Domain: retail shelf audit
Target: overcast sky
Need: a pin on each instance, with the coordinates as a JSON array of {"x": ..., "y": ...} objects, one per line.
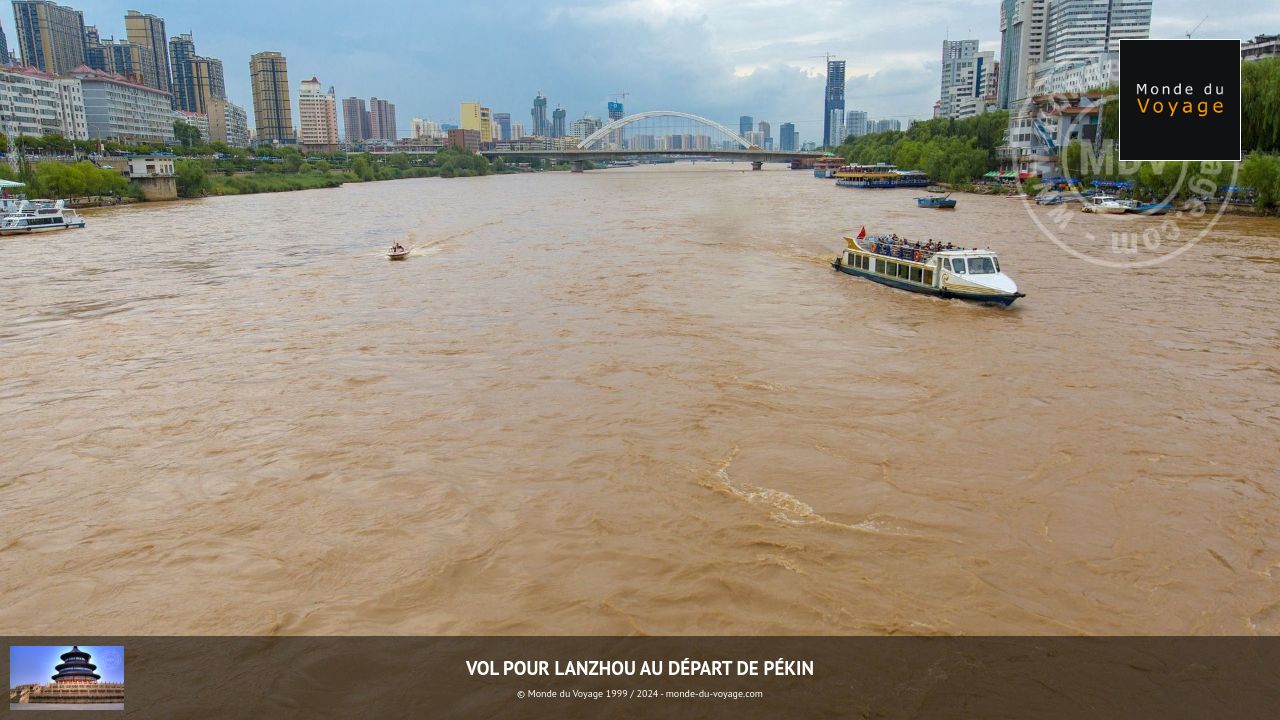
[{"x": 717, "y": 58}]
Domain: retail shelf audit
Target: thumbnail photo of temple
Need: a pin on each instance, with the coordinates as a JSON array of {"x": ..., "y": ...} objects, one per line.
[{"x": 76, "y": 683}]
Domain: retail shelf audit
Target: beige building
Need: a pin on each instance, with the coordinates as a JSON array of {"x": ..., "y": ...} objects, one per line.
[
  {"x": 50, "y": 36},
  {"x": 469, "y": 116},
  {"x": 228, "y": 123},
  {"x": 272, "y": 113},
  {"x": 317, "y": 118},
  {"x": 148, "y": 31}
]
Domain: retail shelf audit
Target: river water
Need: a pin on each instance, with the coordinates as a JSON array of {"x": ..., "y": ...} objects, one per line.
[{"x": 627, "y": 401}]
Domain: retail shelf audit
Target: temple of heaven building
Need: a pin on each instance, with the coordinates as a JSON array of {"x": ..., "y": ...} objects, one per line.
[
  {"x": 76, "y": 667},
  {"x": 75, "y": 683}
]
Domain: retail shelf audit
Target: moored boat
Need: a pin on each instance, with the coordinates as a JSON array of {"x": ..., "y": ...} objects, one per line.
[
  {"x": 945, "y": 272},
  {"x": 1159, "y": 208},
  {"x": 826, "y": 167},
  {"x": 943, "y": 203},
  {"x": 1107, "y": 205},
  {"x": 40, "y": 216}
]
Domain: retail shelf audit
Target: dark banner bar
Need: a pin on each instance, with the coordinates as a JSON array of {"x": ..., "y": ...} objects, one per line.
[{"x": 693, "y": 677}]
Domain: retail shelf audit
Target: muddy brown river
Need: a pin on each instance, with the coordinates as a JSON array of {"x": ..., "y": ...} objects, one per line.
[{"x": 633, "y": 401}]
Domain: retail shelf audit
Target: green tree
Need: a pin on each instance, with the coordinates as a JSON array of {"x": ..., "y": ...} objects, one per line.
[
  {"x": 192, "y": 179},
  {"x": 362, "y": 169},
  {"x": 1260, "y": 98},
  {"x": 187, "y": 135},
  {"x": 1262, "y": 173}
]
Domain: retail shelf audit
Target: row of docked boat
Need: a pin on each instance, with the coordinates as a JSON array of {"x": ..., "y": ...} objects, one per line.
[
  {"x": 1111, "y": 205},
  {"x": 21, "y": 216}
]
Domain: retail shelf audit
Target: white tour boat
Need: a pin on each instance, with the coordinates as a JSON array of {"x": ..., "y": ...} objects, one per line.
[
  {"x": 1108, "y": 205},
  {"x": 949, "y": 273},
  {"x": 40, "y": 216}
]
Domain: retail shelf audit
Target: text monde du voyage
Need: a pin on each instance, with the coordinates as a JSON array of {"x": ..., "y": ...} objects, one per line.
[
  {"x": 675, "y": 668},
  {"x": 1179, "y": 100}
]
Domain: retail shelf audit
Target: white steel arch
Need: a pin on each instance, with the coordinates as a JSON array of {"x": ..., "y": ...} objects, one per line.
[{"x": 623, "y": 122}]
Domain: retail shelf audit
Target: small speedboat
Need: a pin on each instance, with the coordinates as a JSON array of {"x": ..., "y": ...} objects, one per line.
[
  {"x": 944, "y": 203},
  {"x": 398, "y": 252},
  {"x": 1050, "y": 200}
]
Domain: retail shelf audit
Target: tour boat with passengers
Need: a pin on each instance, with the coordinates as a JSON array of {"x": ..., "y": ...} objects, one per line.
[
  {"x": 826, "y": 167},
  {"x": 40, "y": 216},
  {"x": 948, "y": 272}
]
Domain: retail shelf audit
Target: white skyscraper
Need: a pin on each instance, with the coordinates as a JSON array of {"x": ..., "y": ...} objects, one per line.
[
  {"x": 967, "y": 74},
  {"x": 1022, "y": 28},
  {"x": 1080, "y": 30}
]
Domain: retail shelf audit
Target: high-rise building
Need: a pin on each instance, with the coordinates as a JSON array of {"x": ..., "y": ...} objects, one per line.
[
  {"x": 502, "y": 125},
  {"x": 833, "y": 103},
  {"x": 96, "y": 54},
  {"x": 382, "y": 120},
  {"x": 967, "y": 74},
  {"x": 517, "y": 131},
  {"x": 317, "y": 117},
  {"x": 541, "y": 128},
  {"x": 745, "y": 125},
  {"x": 766, "y": 131},
  {"x": 855, "y": 123},
  {"x": 4, "y": 47},
  {"x": 1079, "y": 30},
  {"x": 355, "y": 120},
  {"x": 136, "y": 62},
  {"x": 425, "y": 130},
  {"x": 469, "y": 116},
  {"x": 557, "y": 122},
  {"x": 787, "y": 137},
  {"x": 148, "y": 31},
  {"x": 1022, "y": 35},
  {"x": 181, "y": 49},
  {"x": 272, "y": 110},
  {"x": 50, "y": 36},
  {"x": 486, "y": 125},
  {"x": 886, "y": 125}
]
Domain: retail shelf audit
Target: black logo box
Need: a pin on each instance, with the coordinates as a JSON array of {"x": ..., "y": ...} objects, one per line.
[{"x": 1185, "y": 64}]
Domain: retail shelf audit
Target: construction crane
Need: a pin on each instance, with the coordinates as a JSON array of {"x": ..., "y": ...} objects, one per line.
[{"x": 1197, "y": 27}]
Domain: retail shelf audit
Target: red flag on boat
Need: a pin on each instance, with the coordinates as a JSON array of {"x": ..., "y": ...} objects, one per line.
[{"x": 863, "y": 232}]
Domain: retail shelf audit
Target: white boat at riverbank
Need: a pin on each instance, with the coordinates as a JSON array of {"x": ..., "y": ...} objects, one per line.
[
  {"x": 1108, "y": 205},
  {"x": 40, "y": 216}
]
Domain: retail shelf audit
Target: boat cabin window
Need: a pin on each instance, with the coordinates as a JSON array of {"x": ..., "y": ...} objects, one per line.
[
  {"x": 981, "y": 266},
  {"x": 915, "y": 274},
  {"x": 903, "y": 270},
  {"x": 957, "y": 265}
]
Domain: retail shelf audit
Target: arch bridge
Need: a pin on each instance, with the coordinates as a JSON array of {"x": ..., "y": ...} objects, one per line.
[{"x": 608, "y": 143}]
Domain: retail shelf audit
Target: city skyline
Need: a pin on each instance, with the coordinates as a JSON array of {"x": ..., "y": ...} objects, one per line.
[{"x": 728, "y": 60}]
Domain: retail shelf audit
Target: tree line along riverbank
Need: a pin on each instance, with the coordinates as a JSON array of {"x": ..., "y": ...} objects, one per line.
[{"x": 52, "y": 166}]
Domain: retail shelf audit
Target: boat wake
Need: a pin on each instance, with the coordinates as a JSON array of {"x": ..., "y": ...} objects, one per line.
[{"x": 787, "y": 508}]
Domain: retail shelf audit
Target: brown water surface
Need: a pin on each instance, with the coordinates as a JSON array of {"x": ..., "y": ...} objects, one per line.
[{"x": 630, "y": 401}]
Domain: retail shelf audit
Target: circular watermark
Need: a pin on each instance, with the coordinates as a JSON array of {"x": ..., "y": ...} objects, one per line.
[{"x": 1131, "y": 214}]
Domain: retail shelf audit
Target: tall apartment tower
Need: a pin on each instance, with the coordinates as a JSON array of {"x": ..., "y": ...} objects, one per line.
[
  {"x": 558, "y": 122},
  {"x": 50, "y": 36},
  {"x": 272, "y": 114},
  {"x": 355, "y": 120},
  {"x": 181, "y": 50},
  {"x": 502, "y": 126},
  {"x": 539, "y": 113},
  {"x": 746, "y": 124},
  {"x": 317, "y": 117},
  {"x": 148, "y": 31},
  {"x": 1080, "y": 30},
  {"x": 1022, "y": 35},
  {"x": 382, "y": 120},
  {"x": 833, "y": 104}
]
